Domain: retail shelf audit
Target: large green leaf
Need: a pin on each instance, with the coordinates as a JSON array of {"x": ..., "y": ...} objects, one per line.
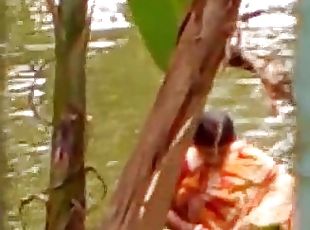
[{"x": 158, "y": 22}]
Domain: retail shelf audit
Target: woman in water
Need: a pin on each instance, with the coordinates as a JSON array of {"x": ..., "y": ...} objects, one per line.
[{"x": 225, "y": 182}]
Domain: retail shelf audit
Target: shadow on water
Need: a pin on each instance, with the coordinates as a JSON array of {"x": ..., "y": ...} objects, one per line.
[{"x": 122, "y": 81}]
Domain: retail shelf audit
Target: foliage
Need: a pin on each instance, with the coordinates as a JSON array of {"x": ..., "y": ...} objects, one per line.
[{"x": 158, "y": 22}]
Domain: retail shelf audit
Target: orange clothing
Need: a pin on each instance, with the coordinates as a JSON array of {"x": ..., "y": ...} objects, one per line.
[{"x": 220, "y": 198}]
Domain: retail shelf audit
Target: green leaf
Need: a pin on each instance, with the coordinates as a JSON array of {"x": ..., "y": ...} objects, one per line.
[{"x": 158, "y": 22}]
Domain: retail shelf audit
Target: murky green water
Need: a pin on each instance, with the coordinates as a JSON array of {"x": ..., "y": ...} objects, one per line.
[{"x": 122, "y": 81}]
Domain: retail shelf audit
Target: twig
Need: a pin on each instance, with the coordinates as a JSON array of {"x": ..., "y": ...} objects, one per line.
[
  {"x": 87, "y": 29},
  {"x": 87, "y": 169},
  {"x": 89, "y": 17},
  {"x": 230, "y": 49},
  {"x": 90, "y": 169},
  {"x": 31, "y": 94},
  {"x": 43, "y": 196},
  {"x": 27, "y": 200},
  {"x": 52, "y": 9},
  {"x": 245, "y": 17}
]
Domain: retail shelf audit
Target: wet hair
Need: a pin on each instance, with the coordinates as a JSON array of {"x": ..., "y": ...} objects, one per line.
[{"x": 214, "y": 128}]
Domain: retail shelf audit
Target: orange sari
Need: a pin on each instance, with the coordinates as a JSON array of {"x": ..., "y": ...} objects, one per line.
[{"x": 223, "y": 198}]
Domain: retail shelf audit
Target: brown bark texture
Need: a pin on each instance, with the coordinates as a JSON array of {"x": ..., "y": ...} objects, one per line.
[
  {"x": 66, "y": 204},
  {"x": 146, "y": 186}
]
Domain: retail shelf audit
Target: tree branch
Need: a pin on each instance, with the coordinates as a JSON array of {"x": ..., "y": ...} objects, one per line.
[
  {"x": 180, "y": 100},
  {"x": 52, "y": 8}
]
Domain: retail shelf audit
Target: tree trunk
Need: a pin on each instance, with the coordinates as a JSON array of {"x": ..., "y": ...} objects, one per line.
[
  {"x": 65, "y": 208},
  {"x": 146, "y": 186}
]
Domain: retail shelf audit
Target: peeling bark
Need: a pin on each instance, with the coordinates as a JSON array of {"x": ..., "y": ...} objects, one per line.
[{"x": 145, "y": 189}]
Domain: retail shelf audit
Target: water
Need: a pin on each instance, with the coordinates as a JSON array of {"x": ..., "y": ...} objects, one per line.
[{"x": 122, "y": 82}]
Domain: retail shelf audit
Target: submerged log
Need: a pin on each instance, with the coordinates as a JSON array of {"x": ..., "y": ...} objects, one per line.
[
  {"x": 145, "y": 189},
  {"x": 275, "y": 77},
  {"x": 276, "y": 80}
]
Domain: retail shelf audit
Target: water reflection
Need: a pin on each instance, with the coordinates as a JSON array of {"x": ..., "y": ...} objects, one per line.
[{"x": 122, "y": 81}]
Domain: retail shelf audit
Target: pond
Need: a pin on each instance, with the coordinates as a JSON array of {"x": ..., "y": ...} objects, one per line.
[{"x": 122, "y": 81}]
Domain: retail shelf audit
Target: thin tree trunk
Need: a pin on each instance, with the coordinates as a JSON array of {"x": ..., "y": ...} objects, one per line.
[
  {"x": 65, "y": 208},
  {"x": 3, "y": 159},
  {"x": 154, "y": 165}
]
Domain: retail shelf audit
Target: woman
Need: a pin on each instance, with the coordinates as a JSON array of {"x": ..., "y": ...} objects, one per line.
[{"x": 224, "y": 180}]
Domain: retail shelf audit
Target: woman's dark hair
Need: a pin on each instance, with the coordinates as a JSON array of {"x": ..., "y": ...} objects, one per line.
[{"x": 214, "y": 128}]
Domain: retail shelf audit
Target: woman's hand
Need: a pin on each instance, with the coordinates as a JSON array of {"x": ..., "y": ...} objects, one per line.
[{"x": 175, "y": 222}]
